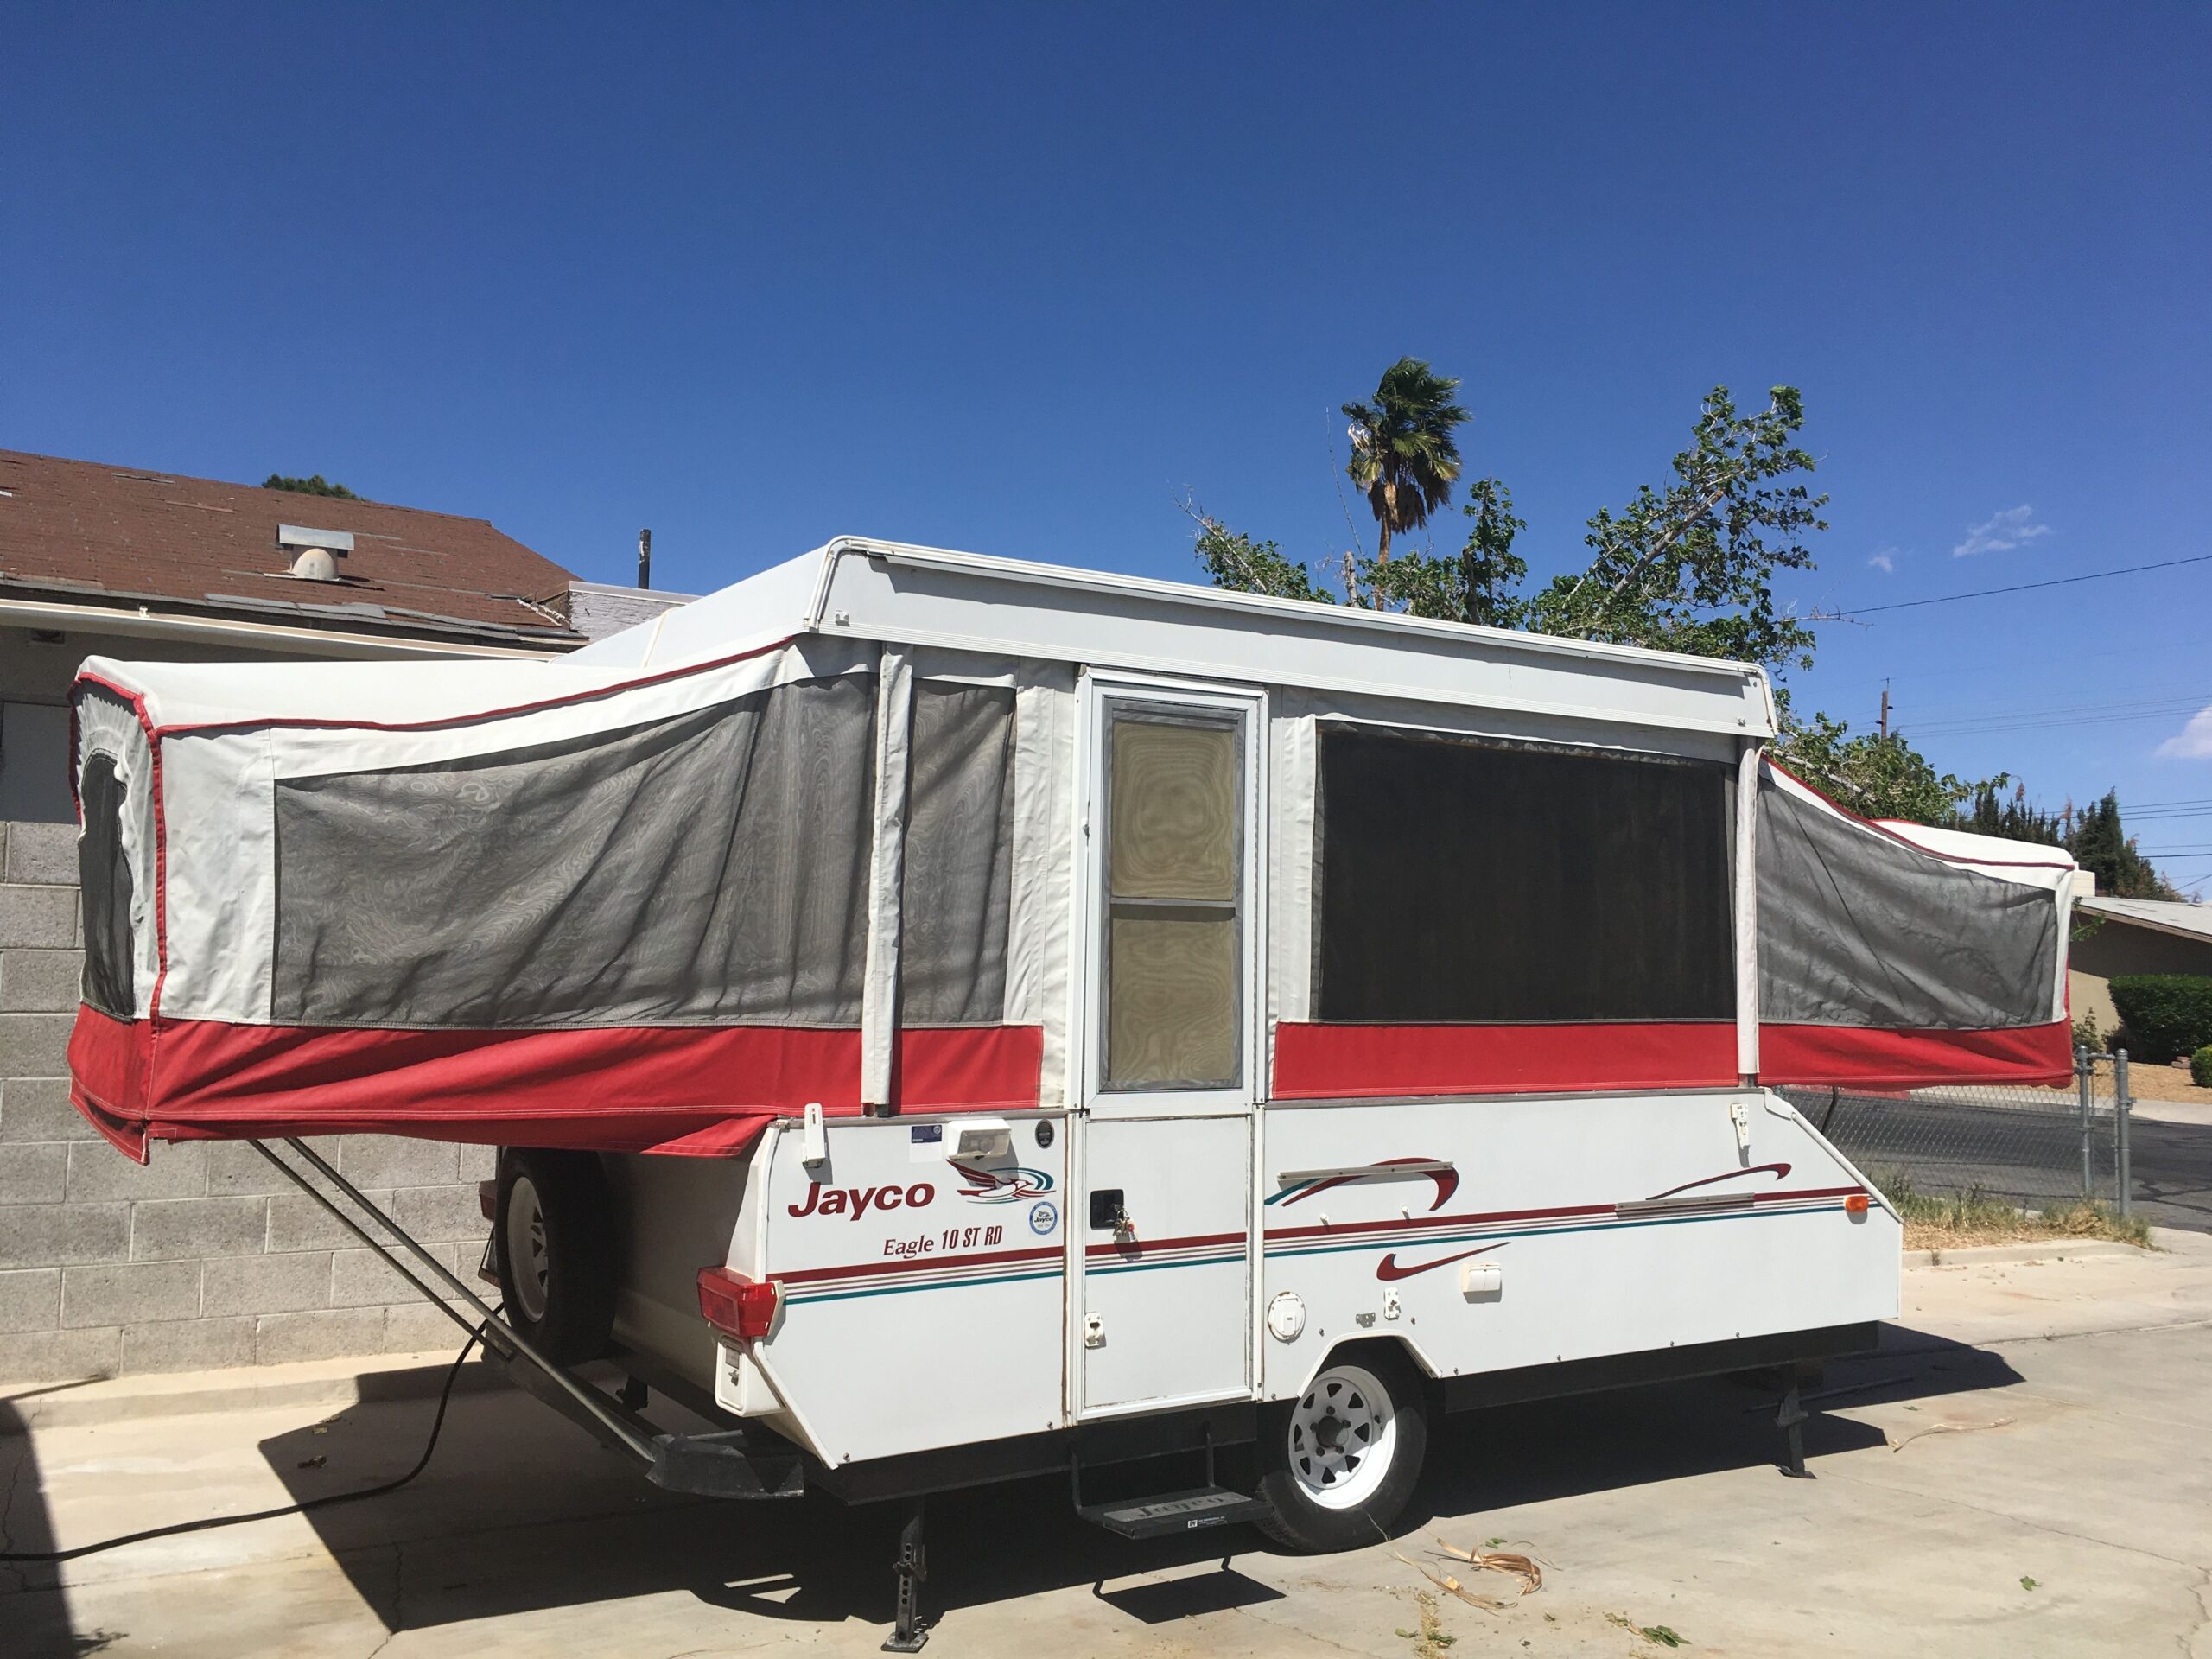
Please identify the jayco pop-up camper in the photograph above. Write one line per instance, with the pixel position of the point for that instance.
(954, 1019)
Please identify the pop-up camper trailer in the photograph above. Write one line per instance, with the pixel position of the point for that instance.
(955, 1018)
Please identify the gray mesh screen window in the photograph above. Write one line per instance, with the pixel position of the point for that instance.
(110, 984)
(1465, 880)
(711, 866)
(1858, 929)
(958, 880)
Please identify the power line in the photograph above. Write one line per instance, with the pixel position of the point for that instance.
(2026, 586)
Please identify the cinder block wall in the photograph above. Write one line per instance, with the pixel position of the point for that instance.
(205, 1256)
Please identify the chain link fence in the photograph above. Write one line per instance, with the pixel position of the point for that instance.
(2033, 1146)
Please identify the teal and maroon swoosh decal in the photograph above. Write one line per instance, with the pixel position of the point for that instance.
(1461, 1235)
(1446, 1179)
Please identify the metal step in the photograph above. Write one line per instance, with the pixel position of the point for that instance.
(1173, 1512)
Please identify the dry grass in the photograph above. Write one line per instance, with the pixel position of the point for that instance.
(2166, 1083)
(1957, 1221)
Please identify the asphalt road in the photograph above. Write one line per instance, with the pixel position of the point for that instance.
(2028, 1149)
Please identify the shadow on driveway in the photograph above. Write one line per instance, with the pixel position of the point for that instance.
(520, 1513)
(33, 1613)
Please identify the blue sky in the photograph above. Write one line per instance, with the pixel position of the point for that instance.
(1013, 279)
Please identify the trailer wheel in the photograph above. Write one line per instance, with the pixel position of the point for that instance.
(1342, 1459)
(554, 1241)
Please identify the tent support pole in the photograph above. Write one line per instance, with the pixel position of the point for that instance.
(1747, 914)
(595, 1405)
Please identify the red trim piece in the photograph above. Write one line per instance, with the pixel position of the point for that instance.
(1866, 1056)
(702, 1091)
(1343, 1061)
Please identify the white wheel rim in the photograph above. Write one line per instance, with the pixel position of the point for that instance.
(1344, 1437)
(528, 1264)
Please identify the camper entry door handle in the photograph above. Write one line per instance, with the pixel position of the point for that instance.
(1108, 1213)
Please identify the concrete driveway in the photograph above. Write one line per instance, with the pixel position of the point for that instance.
(2025, 1470)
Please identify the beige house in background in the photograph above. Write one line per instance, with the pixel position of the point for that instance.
(2134, 936)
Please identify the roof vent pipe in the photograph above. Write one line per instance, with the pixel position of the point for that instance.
(644, 558)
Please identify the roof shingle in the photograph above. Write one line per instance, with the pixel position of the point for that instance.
(98, 534)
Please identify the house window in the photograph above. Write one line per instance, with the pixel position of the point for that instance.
(1463, 881)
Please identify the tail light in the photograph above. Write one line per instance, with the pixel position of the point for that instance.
(741, 1309)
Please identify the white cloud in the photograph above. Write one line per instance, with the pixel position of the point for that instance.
(1885, 560)
(2004, 532)
(2194, 740)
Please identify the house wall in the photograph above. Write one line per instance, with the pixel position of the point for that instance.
(36, 668)
(2118, 947)
(205, 1256)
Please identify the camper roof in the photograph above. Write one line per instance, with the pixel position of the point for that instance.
(867, 589)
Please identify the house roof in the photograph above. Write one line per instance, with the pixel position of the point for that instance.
(95, 534)
(2190, 921)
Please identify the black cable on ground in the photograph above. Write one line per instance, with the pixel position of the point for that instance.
(437, 1423)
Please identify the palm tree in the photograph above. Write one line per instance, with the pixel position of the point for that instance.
(1402, 453)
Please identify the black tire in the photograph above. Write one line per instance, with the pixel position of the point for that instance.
(1302, 1466)
(557, 1275)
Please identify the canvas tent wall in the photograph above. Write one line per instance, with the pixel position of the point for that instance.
(809, 839)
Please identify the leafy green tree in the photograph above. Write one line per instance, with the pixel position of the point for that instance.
(2099, 842)
(316, 486)
(1479, 584)
(1690, 568)
(1235, 561)
(1403, 453)
(1874, 774)
(2012, 817)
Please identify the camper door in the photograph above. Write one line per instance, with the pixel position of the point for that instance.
(1168, 971)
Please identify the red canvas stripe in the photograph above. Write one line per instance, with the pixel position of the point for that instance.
(1346, 1062)
(693, 1089)
(1865, 1057)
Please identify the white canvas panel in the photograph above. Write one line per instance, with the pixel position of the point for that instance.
(222, 876)
(1292, 750)
(1043, 851)
(302, 752)
(964, 667)
(1410, 714)
(197, 694)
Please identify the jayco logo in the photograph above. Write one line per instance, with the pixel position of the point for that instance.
(857, 1201)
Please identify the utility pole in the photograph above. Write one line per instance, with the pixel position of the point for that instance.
(644, 558)
(1885, 710)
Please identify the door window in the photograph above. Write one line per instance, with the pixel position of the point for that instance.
(1174, 887)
